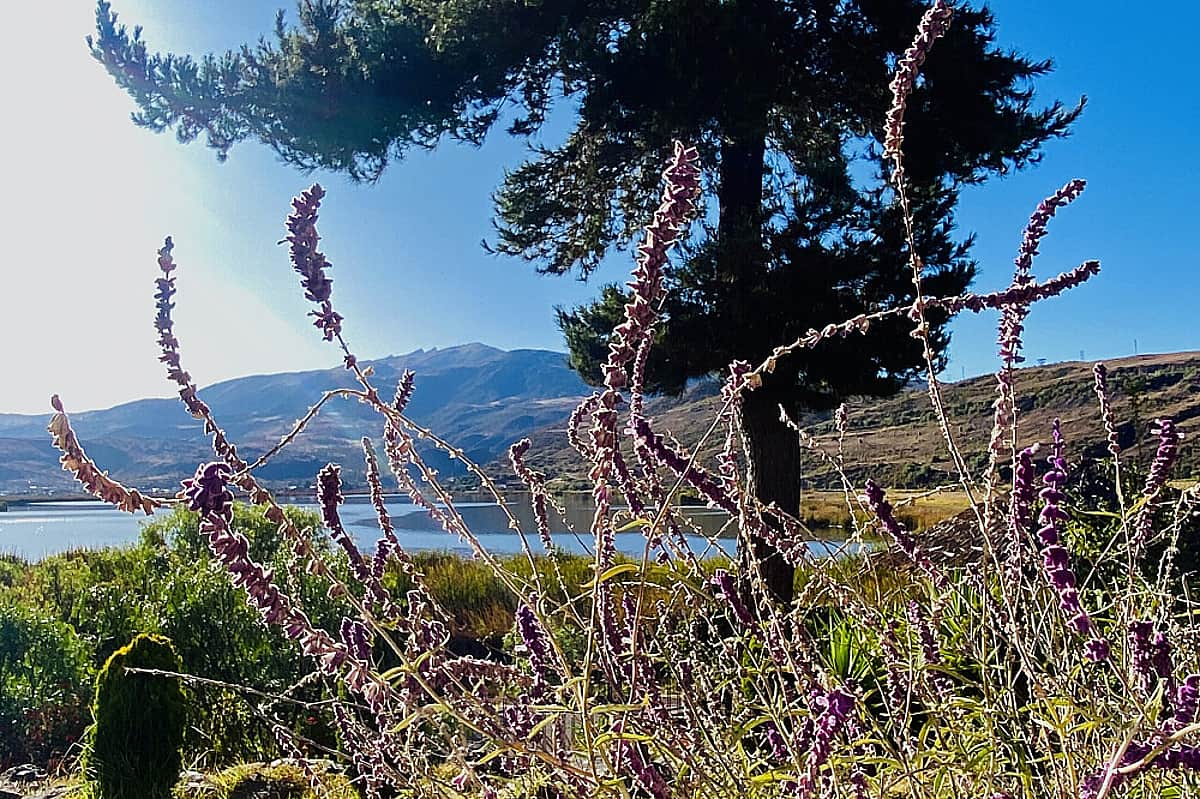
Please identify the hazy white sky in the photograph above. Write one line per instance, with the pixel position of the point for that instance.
(87, 199)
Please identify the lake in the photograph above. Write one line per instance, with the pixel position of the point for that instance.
(37, 530)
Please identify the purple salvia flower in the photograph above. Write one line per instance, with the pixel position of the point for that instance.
(933, 24)
(638, 507)
(310, 263)
(604, 452)
(208, 494)
(712, 488)
(1176, 758)
(899, 687)
(919, 621)
(682, 185)
(1150, 654)
(1020, 512)
(1160, 470)
(630, 758)
(779, 747)
(1097, 649)
(577, 440)
(169, 355)
(925, 634)
(168, 345)
(637, 378)
(1019, 295)
(404, 390)
(1139, 649)
(329, 497)
(682, 179)
(1186, 700)
(903, 540)
(538, 647)
(613, 639)
(975, 303)
(1035, 230)
(644, 772)
(535, 482)
(1100, 372)
(364, 750)
(356, 637)
(723, 581)
(834, 710)
(1056, 560)
(96, 482)
(425, 633)
(1012, 320)
(387, 546)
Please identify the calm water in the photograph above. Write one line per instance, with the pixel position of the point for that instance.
(35, 531)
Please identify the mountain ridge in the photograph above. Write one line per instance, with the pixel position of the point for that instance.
(480, 396)
(482, 399)
(897, 441)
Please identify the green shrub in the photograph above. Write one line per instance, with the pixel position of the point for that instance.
(43, 671)
(168, 585)
(134, 748)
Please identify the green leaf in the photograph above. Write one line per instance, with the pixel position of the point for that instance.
(615, 571)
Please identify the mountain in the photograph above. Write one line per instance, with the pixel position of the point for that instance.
(482, 399)
(478, 397)
(898, 442)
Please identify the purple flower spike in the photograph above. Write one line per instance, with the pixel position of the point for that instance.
(670, 223)
(307, 260)
(535, 483)
(356, 638)
(1150, 653)
(1160, 470)
(713, 489)
(404, 390)
(779, 747)
(1020, 512)
(208, 492)
(1187, 697)
(1055, 558)
(834, 710)
(1035, 230)
(722, 580)
(1100, 373)
(935, 23)
(329, 497)
(538, 647)
(900, 537)
(1176, 758)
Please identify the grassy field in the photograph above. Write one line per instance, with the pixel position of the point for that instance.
(917, 509)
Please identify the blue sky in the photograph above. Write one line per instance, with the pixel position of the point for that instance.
(89, 198)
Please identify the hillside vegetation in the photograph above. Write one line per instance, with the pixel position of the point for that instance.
(897, 442)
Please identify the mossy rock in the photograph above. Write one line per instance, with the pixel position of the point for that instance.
(133, 747)
(279, 780)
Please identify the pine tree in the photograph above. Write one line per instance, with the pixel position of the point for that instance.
(785, 101)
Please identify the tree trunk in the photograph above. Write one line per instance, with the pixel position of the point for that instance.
(774, 451)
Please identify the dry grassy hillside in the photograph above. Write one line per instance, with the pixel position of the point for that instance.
(897, 440)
